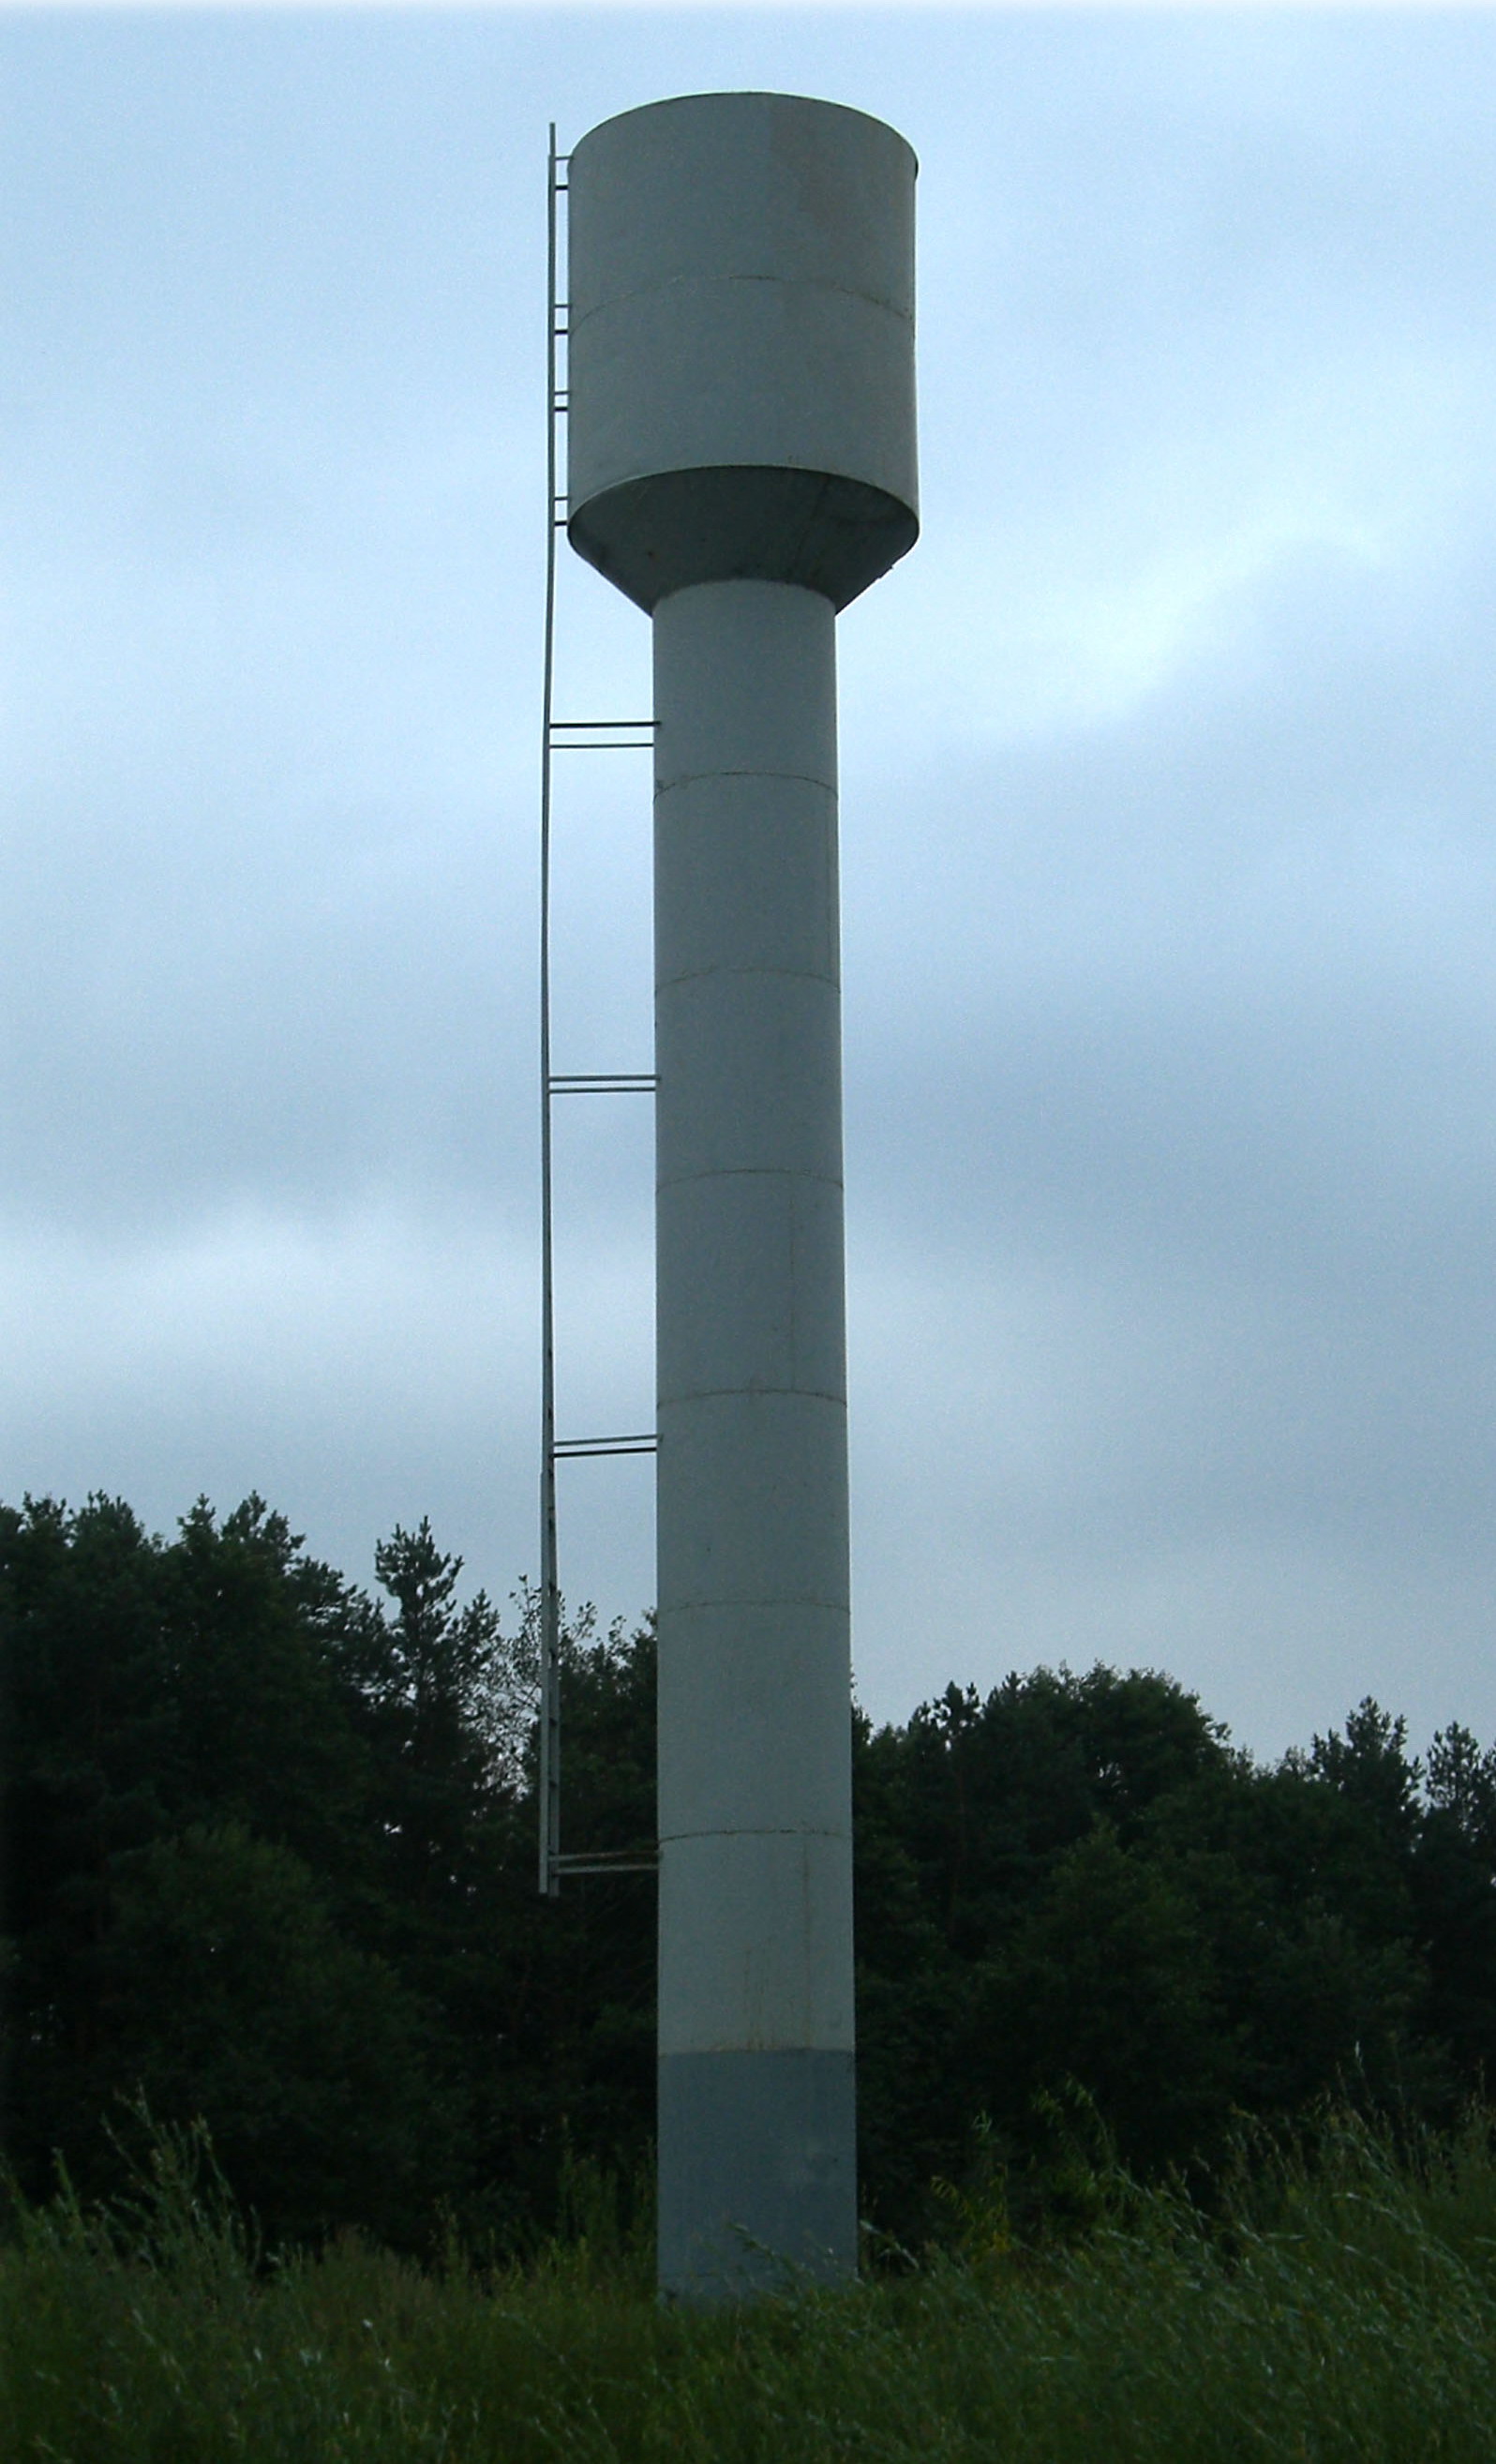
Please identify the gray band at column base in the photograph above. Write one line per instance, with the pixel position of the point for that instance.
(763, 2145)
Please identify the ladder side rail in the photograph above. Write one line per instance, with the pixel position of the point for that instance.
(548, 1774)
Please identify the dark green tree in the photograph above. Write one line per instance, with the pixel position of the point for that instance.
(229, 1993)
(174, 1718)
(268, 1853)
(1454, 1897)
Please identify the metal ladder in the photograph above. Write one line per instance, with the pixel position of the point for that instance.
(564, 736)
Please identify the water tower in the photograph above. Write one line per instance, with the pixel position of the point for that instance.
(741, 465)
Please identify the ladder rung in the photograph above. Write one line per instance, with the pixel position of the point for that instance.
(602, 735)
(573, 1448)
(604, 1081)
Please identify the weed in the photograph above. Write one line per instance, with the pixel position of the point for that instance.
(1335, 2299)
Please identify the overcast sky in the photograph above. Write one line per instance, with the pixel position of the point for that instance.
(1169, 761)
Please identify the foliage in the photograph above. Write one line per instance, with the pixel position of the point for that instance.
(268, 1853)
(1078, 1880)
(1338, 2303)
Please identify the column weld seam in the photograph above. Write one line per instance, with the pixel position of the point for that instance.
(752, 1172)
(667, 786)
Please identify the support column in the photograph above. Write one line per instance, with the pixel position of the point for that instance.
(757, 2109)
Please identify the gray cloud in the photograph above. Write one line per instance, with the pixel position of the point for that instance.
(1169, 871)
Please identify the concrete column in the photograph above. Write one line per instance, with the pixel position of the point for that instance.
(757, 2122)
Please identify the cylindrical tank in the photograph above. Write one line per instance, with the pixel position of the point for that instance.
(741, 463)
(741, 353)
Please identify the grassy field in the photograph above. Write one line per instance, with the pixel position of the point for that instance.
(1339, 2308)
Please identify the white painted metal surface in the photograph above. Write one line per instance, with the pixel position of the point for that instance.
(741, 463)
(741, 345)
(755, 1673)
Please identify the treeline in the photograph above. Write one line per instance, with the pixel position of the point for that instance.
(269, 1858)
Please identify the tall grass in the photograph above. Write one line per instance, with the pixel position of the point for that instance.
(1339, 2305)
